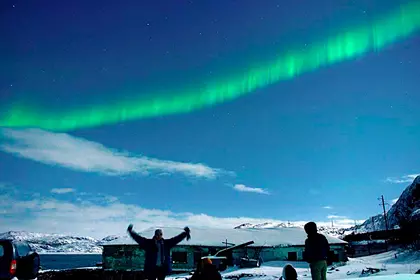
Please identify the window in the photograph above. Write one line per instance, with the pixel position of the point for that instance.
(292, 256)
(1, 251)
(179, 257)
(23, 249)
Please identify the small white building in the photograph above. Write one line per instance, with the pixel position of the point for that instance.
(270, 244)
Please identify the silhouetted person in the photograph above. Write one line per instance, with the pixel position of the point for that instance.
(206, 271)
(157, 252)
(289, 273)
(316, 252)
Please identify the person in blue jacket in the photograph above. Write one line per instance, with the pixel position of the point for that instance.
(157, 252)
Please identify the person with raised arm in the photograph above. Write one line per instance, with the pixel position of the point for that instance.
(157, 263)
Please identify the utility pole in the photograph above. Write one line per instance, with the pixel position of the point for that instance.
(385, 216)
(227, 243)
(386, 221)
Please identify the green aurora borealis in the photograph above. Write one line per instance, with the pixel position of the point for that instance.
(352, 43)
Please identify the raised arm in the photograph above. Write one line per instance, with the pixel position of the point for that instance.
(138, 238)
(171, 242)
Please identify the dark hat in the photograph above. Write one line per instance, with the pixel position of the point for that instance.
(289, 272)
(310, 228)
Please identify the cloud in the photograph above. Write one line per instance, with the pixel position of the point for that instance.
(82, 155)
(89, 217)
(403, 179)
(62, 190)
(243, 188)
(327, 207)
(336, 217)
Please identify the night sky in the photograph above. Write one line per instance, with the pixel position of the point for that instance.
(86, 148)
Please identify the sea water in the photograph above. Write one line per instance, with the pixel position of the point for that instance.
(69, 261)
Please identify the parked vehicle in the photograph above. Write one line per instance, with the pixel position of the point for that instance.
(17, 260)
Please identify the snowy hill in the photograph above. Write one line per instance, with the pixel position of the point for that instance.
(110, 238)
(55, 243)
(407, 207)
(263, 225)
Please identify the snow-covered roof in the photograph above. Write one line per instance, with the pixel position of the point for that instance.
(216, 236)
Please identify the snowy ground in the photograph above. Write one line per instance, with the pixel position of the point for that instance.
(407, 263)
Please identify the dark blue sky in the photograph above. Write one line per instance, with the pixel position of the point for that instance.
(331, 137)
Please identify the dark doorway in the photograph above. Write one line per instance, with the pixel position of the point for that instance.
(292, 256)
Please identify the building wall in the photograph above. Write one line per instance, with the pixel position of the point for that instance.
(340, 251)
(282, 253)
(123, 257)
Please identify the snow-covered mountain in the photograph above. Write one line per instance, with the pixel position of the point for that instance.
(55, 243)
(263, 225)
(109, 238)
(407, 208)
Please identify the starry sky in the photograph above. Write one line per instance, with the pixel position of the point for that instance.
(318, 146)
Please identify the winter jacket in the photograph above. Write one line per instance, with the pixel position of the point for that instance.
(316, 248)
(151, 249)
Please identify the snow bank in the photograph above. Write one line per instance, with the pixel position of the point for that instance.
(404, 267)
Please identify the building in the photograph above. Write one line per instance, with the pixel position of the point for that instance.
(270, 244)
